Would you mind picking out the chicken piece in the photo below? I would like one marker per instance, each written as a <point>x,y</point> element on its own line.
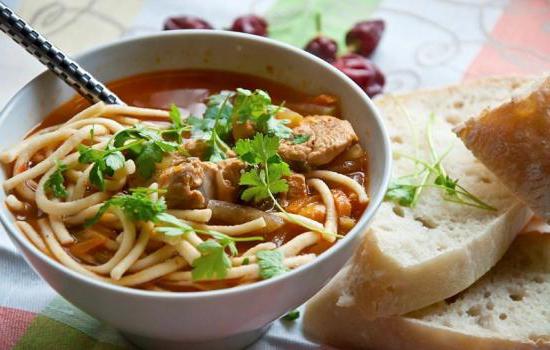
<point>228,175</point>
<point>190,182</point>
<point>328,137</point>
<point>297,187</point>
<point>184,180</point>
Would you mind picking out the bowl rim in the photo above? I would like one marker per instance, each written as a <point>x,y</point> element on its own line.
<point>374,201</point>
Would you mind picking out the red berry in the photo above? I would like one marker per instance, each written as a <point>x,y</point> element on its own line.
<point>322,47</point>
<point>186,22</point>
<point>362,71</point>
<point>364,37</point>
<point>250,24</point>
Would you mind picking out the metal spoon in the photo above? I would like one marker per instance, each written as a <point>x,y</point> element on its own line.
<point>53,58</point>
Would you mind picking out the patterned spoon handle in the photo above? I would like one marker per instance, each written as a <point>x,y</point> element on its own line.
<point>56,61</point>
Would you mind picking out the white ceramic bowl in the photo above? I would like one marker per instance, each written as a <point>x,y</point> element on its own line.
<point>229,318</point>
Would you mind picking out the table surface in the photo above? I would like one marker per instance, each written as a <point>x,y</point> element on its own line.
<point>430,44</point>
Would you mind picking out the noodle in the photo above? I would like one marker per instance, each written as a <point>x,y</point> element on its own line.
<point>197,215</point>
<point>251,271</point>
<point>44,165</point>
<point>32,235</point>
<point>233,230</point>
<point>133,255</point>
<point>153,272</point>
<point>342,180</point>
<point>299,243</point>
<point>159,256</point>
<point>187,251</point>
<point>59,252</point>
<point>14,203</point>
<point>63,236</point>
<point>114,110</point>
<point>331,220</point>
<point>128,237</point>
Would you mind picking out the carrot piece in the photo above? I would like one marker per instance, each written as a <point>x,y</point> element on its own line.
<point>82,248</point>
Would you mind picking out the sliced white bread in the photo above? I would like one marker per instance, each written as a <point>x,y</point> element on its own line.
<point>513,141</point>
<point>413,257</point>
<point>509,308</point>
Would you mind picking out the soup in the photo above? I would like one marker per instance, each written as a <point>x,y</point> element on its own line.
<point>207,180</point>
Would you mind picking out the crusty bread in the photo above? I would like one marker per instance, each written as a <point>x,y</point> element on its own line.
<point>513,141</point>
<point>509,308</point>
<point>412,258</point>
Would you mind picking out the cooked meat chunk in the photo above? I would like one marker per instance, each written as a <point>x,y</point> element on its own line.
<point>227,179</point>
<point>183,180</point>
<point>297,187</point>
<point>190,182</point>
<point>328,137</point>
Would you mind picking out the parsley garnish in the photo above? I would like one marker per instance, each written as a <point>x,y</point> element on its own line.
<point>214,260</point>
<point>137,205</point>
<point>105,163</point>
<point>271,263</point>
<point>178,125</point>
<point>56,182</point>
<point>215,126</point>
<point>145,146</point>
<point>266,170</point>
<point>406,190</point>
<point>240,106</point>
<point>265,177</point>
<point>255,106</point>
<point>292,315</point>
<point>300,138</point>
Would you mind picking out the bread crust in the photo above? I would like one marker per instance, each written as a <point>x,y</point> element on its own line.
<point>347,327</point>
<point>513,141</point>
<point>383,282</point>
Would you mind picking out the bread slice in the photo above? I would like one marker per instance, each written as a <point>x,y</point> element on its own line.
<point>412,258</point>
<point>513,141</point>
<point>509,308</point>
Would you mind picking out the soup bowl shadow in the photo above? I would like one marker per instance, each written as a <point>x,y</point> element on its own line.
<point>229,318</point>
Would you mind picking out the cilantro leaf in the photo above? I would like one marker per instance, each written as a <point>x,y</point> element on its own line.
<point>105,162</point>
<point>260,149</point>
<point>213,262</point>
<point>175,116</point>
<point>137,205</point>
<point>292,315</point>
<point>300,138</point>
<point>401,193</point>
<point>265,177</point>
<point>145,146</point>
<point>275,127</point>
<point>255,106</point>
<point>56,182</point>
<point>271,263</point>
<point>215,126</point>
<point>407,189</point>
<point>150,154</point>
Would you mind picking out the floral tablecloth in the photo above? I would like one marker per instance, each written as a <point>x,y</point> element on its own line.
<point>427,43</point>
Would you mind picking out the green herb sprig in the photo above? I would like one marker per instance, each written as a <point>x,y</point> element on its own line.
<point>215,126</point>
<point>56,182</point>
<point>271,263</point>
<point>137,205</point>
<point>214,261</point>
<point>265,175</point>
<point>146,146</point>
<point>406,190</point>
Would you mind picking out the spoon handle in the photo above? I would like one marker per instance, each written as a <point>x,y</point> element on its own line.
<point>56,61</point>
